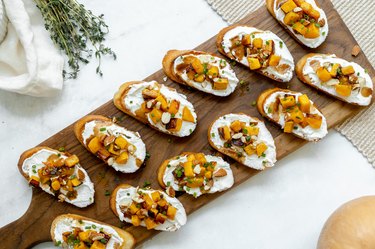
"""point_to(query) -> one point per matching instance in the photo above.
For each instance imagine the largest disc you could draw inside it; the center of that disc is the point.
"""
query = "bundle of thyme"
(71, 27)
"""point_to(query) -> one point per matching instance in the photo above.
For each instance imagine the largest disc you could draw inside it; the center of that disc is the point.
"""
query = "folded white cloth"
(29, 61)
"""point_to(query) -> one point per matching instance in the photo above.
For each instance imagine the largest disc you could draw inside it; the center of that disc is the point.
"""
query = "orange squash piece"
(300, 28)
(347, 70)
(315, 121)
(221, 84)
(288, 127)
(254, 63)
(304, 102)
(155, 115)
(312, 31)
(288, 6)
(287, 101)
(274, 60)
(343, 90)
(323, 74)
(291, 18)
(187, 115)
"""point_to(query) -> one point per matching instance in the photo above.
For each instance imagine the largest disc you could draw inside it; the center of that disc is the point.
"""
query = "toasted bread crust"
(270, 4)
(299, 72)
(80, 125)
(128, 238)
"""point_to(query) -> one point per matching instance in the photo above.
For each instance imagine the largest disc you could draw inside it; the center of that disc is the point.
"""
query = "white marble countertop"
(285, 207)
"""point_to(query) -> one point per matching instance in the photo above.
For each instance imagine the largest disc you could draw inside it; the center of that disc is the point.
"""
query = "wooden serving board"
(33, 227)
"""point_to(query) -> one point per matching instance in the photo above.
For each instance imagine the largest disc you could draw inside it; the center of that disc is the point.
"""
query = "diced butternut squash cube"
(94, 145)
(155, 196)
(188, 169)
(274, 60)
(291, 18)
(304, 102)
(306, 7)
(249, 149)
(149, 202)
(122, 158)
(155, 115)
(334, 69)
(208, 174)
(323, 74)
(153, 212)
(191, 157)
(150, 224)
(197, 65)
(257, 42)
(343, 90)
(97, 245)
(347, 70)
(71, 161)
(254, 63)
(199, 78)
(314, 120)
(213, 72)
(288, 6)
(224, 133)
(237, 125)
(195, 182)
(161, 218)
(171, 212)
(299, 2)
(312, 31)
(250, 130)
(314, 14)
(175, 124)
(300, 28)
(288, 101)
(220, 84)
(288, 127)
(135, 220)
(55, 185)
(163, 102)
(80, 245)
(121, 142)
(162, 203)
(261, 148)
(201, 157)
(187, 115)
(296, 115)
(133, 208)
(84, 236)
(141, 112)
(246, 40)
(112, 150)
(174, 106)
(76, 182)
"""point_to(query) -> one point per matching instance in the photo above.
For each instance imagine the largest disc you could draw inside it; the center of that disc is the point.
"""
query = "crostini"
(200, 70)
(243, 138)
(294, 112)
(57, 173)
(157, 105)
(261, 51)
(195, 174)
(337, 77)
(118, 147)
(78, 232)
(303, 19)
(146, 207)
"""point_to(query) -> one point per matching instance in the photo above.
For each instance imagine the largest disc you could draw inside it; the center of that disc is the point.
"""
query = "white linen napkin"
(29, 61)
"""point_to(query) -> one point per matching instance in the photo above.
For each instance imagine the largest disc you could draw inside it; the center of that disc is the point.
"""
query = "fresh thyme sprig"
(71, 27)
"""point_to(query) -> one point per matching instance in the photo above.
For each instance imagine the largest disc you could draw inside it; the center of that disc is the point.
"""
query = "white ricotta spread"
(280, 50)
(206, 86)
(68, 225)
(252, 161)
(355, 97)
(125, 196)
(311, 43)
(85, 191)
(132, 137)
(308, 132)
(220, 183)
(134, 99)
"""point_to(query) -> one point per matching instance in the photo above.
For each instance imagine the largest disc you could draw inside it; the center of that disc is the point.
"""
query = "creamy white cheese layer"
(220, 183)
(68, 225)
(280, 49)
(206, 86)
(311, 43)
(125, 196)
(308, 132)
(132, 137)
(355, 96)
(85, 191)
(264, 136)
(133, 101)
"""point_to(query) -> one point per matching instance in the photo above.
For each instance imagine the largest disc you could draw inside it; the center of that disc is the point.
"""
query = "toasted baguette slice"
(337, 77)
(118, 147)
(294, 112)
(142, 205)
(243, 138)
(157, 105)
(88, 231)
(304, 20)
(200, 70)
(206, 174)
(36, 164)
(261, 51)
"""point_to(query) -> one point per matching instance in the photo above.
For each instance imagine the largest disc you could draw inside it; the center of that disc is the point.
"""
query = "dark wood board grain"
(33, 227)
